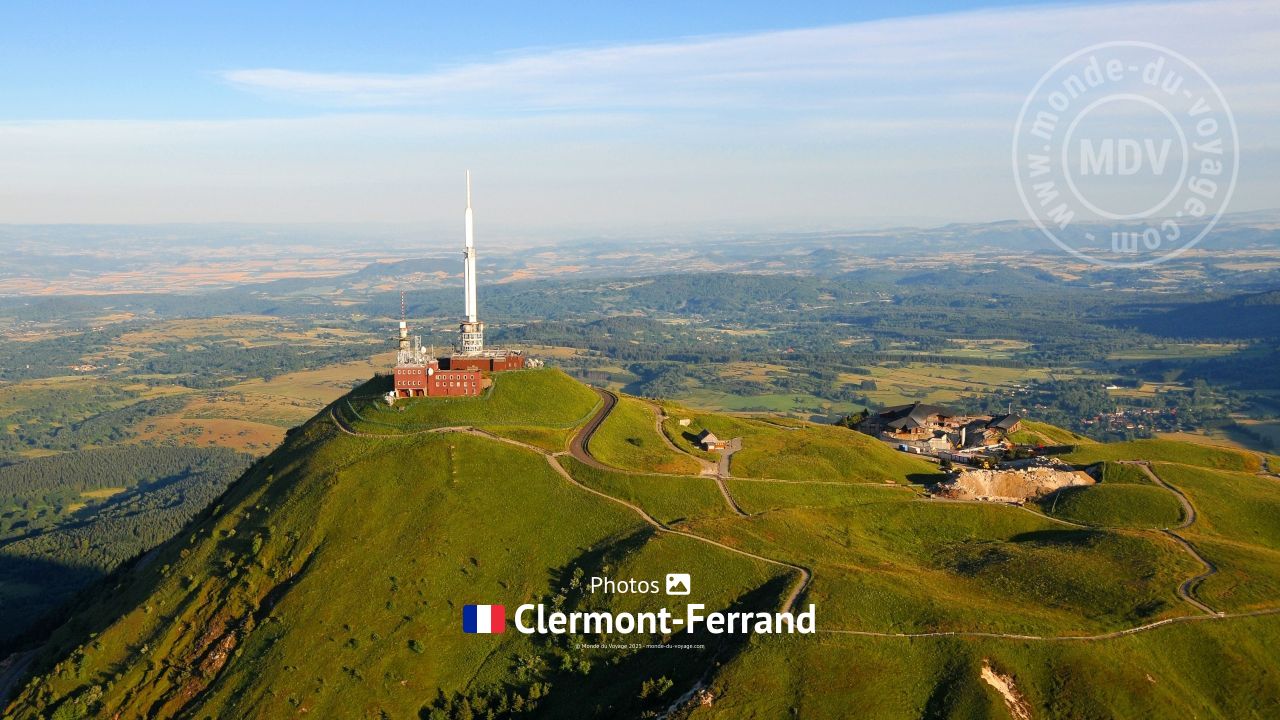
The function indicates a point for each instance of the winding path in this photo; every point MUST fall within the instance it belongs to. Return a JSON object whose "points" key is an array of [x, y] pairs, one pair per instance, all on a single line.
{"points": [[718, 470], [579, 444], [1188, 586], [580, 449], [705, 466], [1062, 638]]}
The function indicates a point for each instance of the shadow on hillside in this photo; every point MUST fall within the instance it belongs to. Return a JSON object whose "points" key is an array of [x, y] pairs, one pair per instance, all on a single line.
{"points": [[594, 563], [99, 600], [958, 692], [1070, 538], [926, 479], [613, 686], [34, 593], [604, 682]]}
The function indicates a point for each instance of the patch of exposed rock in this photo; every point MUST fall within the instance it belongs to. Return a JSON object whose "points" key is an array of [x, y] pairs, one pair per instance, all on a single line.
{"points": [[1012, 486]]}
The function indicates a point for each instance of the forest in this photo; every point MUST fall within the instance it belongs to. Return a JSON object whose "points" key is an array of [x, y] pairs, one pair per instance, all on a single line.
{"points": [[68, 519]]}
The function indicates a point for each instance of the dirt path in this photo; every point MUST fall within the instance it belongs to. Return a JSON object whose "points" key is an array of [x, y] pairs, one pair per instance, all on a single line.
{"points": [[1188, 586], [705, 466], [579, 443], [1062, 638]]}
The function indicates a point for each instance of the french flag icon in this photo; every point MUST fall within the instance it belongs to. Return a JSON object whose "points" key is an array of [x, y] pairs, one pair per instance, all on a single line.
{"points": [[484, 619]]}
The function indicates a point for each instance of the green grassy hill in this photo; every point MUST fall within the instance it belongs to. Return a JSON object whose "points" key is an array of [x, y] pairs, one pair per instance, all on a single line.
{"points": [[1168, 451], [798, 450], [540, 407], [1119, 505], [329, 581], [627, 440]]}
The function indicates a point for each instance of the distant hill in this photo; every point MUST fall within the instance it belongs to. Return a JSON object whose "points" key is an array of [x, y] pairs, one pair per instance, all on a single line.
{"points": [[1254, 315]]}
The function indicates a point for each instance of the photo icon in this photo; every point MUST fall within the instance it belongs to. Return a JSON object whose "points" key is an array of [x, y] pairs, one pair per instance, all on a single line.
{"points": [[678, 583]]}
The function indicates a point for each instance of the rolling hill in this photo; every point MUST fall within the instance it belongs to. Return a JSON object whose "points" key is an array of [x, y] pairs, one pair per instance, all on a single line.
{"points": [[329, 580]]}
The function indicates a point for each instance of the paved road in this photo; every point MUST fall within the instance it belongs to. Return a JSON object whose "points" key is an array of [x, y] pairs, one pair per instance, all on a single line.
{"points": [[578, 445], [731, 447]]}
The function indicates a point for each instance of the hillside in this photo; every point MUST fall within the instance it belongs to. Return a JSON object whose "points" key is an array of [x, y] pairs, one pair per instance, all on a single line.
{"points": [[329, 580]]}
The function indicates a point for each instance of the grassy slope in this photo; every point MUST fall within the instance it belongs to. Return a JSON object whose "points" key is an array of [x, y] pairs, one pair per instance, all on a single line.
{"points": [[1166, 451], [628, 439], [884, 560], [669, 499], [1238, 529], [757, 496], [1114, 473], [366, 545], [1116, 505], [1034, 433], [1205, 670], [390, 528], [809, 452], [545, 398]]}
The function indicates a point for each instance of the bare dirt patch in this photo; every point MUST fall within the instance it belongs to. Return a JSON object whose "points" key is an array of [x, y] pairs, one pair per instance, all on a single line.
{"points": [[1012, 486], [1014, 702]]}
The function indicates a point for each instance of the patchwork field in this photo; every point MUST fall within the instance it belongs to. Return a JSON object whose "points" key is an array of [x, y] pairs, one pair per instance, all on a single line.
{"points": [[243, 435], [900, 383]]}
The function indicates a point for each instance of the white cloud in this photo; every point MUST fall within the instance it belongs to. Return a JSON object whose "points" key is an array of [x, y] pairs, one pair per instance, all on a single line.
{"points": [[958, 55]]}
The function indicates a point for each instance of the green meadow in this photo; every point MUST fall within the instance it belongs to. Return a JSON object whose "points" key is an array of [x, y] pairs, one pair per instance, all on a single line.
{"points": [[627, 440], [801, 451], [1118, 505], [329, 580]]}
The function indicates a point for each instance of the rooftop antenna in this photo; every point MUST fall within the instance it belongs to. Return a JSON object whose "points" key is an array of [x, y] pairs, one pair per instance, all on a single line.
{"points": [[402, 317]]}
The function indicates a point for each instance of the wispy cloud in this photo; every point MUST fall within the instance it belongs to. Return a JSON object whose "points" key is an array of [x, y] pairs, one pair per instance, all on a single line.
{"points": [[904, 118], [961, 56]]}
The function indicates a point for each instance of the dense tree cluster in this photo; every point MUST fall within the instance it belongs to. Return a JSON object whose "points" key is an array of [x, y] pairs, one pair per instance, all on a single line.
{"points": [[57, 535]]}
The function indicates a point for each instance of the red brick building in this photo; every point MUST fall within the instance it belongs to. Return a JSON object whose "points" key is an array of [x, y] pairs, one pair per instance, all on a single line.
{"points": [[428, 380], [490, 361]]}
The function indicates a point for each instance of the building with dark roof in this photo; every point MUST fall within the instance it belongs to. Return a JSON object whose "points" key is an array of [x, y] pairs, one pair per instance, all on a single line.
{"points": [[1006, 423], [707, 440], [910, 420]]}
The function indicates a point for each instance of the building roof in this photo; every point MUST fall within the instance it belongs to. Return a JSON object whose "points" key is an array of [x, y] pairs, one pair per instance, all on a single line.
{"points": [[1004, 422], [706, 436], [907, 417]]}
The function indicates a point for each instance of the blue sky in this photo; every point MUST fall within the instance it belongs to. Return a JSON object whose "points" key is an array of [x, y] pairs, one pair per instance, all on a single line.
{"points": [[614, 118], [147, 60]]}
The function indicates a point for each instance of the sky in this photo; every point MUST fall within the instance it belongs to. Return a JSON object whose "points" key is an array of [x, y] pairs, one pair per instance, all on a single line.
{"points": [[574, 118]]}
